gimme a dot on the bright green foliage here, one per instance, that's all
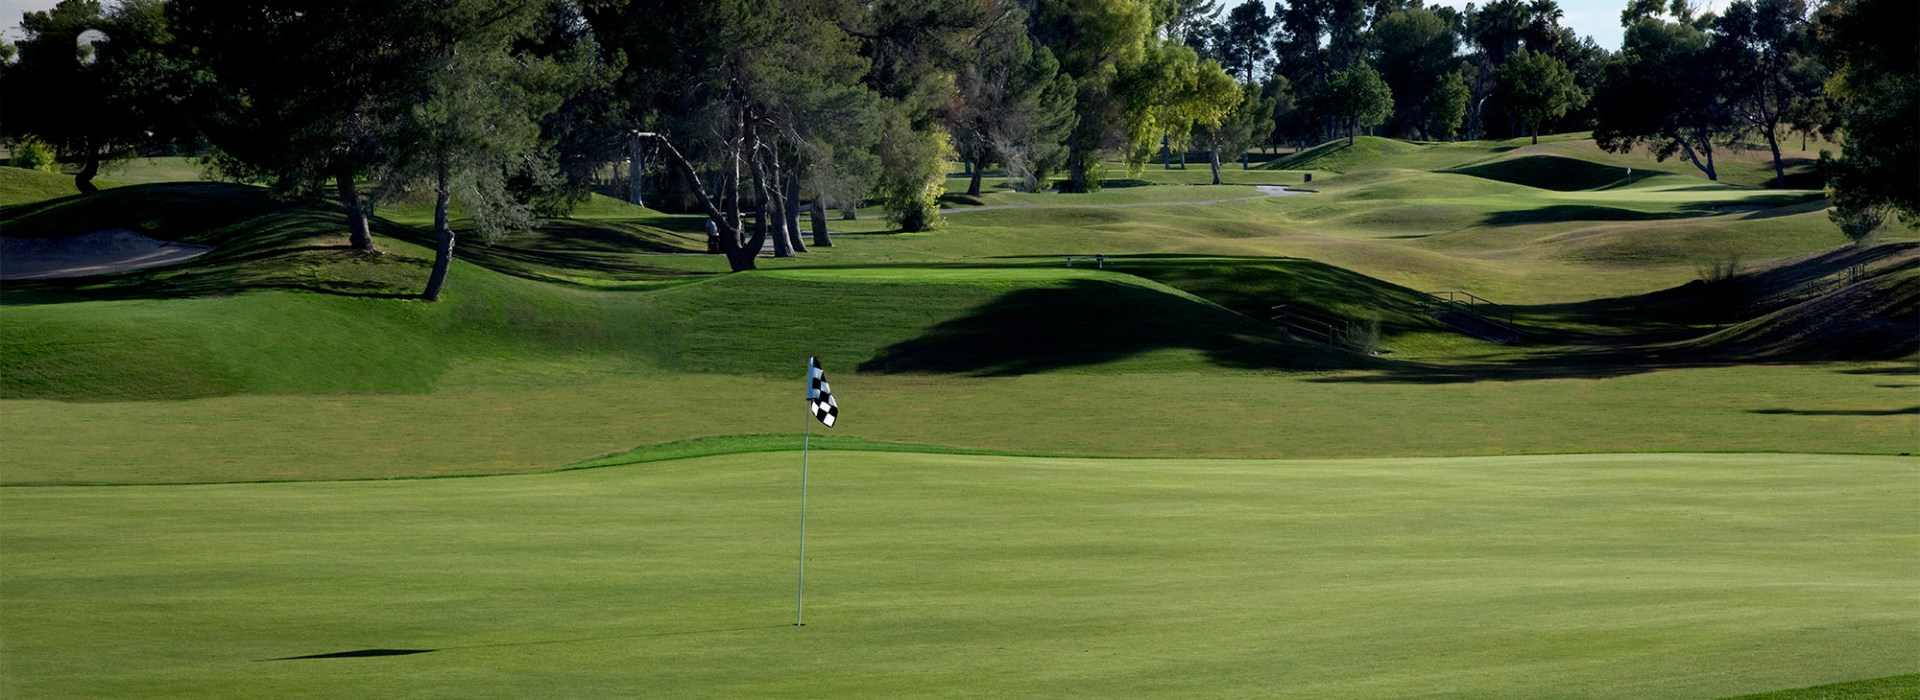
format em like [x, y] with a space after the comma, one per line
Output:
[1095, 41]
[33, 153]
[1538, 88]
[1358, 98]
[1170, 94]
[911, 186]
[1248, 124]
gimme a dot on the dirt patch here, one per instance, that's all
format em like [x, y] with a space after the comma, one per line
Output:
[88, 254]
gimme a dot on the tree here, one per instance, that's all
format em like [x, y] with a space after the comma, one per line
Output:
[1191, 21]
[1667, 90]
[1762, 40]
[476, 101]
[1414, 49]
[1538, 87]
[1094, 41]
[302, 93]
[96, 83]
[1242, 43]
[1446, 107]
[1359, 98]
[1013, 106]
[1235, 132]
[1876, 90]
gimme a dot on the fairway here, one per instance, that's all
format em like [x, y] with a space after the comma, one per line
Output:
[1599, 576]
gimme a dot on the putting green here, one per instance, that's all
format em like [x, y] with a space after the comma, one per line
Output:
[1603, 576]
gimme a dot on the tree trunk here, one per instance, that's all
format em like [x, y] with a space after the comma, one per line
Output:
[767, 219]
[739, 257]
[443, 236]
[1076, 174]
[817, 215]
[83, 180]
[359, 237]
[978, 164]
[791, 209]
[636, 172]
[849, 211]
[1686, 150]
[1536, 134]
[1183, 159]
[1214, 161]
[1779, 169]
[1166, 153]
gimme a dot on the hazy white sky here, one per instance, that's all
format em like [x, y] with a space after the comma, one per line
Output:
[1599, 19]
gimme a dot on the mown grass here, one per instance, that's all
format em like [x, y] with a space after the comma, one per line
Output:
[1625, 576]
[507, 416]
[945, 554]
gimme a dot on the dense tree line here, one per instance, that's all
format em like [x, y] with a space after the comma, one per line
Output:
[752, 111]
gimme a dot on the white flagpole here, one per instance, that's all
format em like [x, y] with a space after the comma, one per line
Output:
[806, 443]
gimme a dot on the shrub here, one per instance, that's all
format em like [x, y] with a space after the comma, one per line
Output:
[34, 154]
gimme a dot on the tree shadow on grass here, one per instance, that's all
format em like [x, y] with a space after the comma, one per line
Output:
[1909, 411]
[1092, 322]
[374, 653]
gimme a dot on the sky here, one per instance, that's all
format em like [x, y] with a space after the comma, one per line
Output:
[1599, 19]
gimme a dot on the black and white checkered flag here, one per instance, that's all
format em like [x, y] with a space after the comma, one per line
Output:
[819, 397]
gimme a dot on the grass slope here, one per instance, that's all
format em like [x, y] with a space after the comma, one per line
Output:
[1626, 576]
[1890, 688]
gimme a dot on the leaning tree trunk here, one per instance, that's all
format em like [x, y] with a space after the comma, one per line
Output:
[1693, 156]
[83, 180]
[359, 236]
[1779, 169]
[739, 257]
[443, 236]
[817, 216]
[767, 219]
[791, 210]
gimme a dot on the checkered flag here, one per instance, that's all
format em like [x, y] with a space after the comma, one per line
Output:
[819, 397]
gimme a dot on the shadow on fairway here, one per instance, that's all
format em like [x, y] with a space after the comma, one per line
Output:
[1090, 322]
[1912, 410]
[359, 654]
[369, 653]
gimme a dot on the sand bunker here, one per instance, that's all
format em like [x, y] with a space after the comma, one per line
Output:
[97, 253]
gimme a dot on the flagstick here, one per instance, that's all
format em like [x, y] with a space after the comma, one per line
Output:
[800, 600]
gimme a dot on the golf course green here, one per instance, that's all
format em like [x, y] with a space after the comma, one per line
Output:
[274, 471]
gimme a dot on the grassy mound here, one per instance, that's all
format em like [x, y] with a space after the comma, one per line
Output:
[1875, 318]
[1904, 687]
[282, 307]
[1555, 172]
[22, 186]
